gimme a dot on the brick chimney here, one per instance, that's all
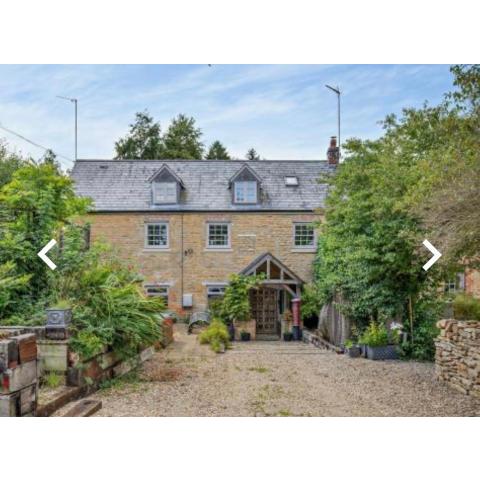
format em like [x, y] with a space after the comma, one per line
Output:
[333, 152]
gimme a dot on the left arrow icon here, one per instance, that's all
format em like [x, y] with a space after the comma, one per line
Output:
[43, 253]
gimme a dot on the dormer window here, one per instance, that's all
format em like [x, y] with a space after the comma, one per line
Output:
[166, 186]
[164, 192]
[245, 186]
[245, 192]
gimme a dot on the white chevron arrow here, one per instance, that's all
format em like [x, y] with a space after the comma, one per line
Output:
[436, 254]
[42, 253]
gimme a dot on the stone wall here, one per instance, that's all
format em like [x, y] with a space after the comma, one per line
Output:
[457, 359]
[187, 264]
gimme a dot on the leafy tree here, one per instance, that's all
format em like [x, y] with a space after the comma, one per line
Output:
[419, 180]
[143, 142]
[217, 151]
[9, 163]
[447, 199]
[252, 155]
[182, 139]
[36, 204]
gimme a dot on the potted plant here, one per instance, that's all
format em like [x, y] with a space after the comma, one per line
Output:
[353, 351]
[380, 345]
[244, 336]
[287, 336]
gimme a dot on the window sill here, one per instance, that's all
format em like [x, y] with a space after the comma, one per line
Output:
[304, 250]
[155, 250]
[211, 249]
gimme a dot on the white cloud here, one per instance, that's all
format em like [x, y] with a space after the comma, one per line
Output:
[284, 111]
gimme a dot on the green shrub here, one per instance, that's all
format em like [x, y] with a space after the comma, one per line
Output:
[53, 380]
[375, 335]
[466, 307]
[110, 308]
[214, 335]
[236, 304]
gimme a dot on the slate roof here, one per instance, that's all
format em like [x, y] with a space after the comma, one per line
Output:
[123, 185]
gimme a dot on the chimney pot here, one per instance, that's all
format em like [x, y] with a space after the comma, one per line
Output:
[333, 152]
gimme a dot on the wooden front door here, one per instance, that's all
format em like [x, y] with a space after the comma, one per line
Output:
[264, 306]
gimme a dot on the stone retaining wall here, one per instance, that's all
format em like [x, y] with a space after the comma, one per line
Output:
[457, 359]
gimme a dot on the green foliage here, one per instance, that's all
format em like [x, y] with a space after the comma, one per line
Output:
[375, 335]
[182, 139]
[311, 301]
[10, 287]
[10, 162]
[144, 140]
[236, 303]
[53, 380]
[252, 154]
[419, 180]
[87, 343]
[110, 308]
[215, 335]
[217, 151]
[37, 202]
[466, 307]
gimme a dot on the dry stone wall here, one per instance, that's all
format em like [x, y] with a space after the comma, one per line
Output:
[457, 359]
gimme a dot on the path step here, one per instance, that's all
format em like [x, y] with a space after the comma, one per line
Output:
[58, 399]
[84, 408]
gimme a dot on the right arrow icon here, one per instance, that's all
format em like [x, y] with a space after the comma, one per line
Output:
[436, 254]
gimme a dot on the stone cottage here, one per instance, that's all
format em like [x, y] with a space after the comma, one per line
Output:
[187, 225]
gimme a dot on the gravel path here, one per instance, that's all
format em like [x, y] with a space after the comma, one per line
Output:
[279, 379]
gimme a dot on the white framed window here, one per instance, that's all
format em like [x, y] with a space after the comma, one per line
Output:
[304, 236]
[215, 293]
[155, 290]
[165, 192]
[245, 192]
[455, 284]
[218, 235]
[156, 235]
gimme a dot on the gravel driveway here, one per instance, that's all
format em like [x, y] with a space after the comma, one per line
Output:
[278, 379]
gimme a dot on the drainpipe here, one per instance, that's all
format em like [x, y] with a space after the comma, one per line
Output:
[297, 331]
[181, 268]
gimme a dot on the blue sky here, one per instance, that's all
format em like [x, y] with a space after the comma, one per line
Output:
[284, 111]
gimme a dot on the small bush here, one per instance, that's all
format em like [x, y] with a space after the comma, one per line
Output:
[375, 335]
[215, 334]
[466, 307]
[52, 380]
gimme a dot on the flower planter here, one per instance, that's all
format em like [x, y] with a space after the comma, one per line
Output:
[245, 336]
[288, 336]
[387, 352]
[354, 352]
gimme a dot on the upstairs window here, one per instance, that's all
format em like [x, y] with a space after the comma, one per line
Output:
[165, 192]
[156, 235]
[218, 235]
[304, 235]
[245, 192]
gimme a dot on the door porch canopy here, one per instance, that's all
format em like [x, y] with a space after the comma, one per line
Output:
[277, 274]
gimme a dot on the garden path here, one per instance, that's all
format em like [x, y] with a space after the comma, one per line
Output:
[278, 379]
